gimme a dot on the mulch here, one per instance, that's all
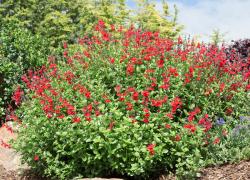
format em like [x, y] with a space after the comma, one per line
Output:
[239, 171]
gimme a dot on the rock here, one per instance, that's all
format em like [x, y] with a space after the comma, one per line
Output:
[10, 160]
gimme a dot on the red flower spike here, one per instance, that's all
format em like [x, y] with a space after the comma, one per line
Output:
[229, 111]
[167, 126]
[216, 141]
[118, 88]
[87, 95]
[135, 96]
[101, 23]
[130, 69]
[76, 120]
[170, 115]
[107, 101]
[160, 63]
[17, 96]
[112, 60]
[145, 93]
[36, 158]
[145, 120]
[150, 148]
[176, 103]
[222, 86]
[191, 127]
[177, 137]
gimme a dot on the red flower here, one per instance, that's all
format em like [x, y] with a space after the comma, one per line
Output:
[229, 111]
[87, 114]
[135, 96]
[248, 87]
[129, 106]
[164, 86]
[88, 95]
[193, 114]
[177, 137]
[36, 158]
[17, 96]
[179, 40]
[118, 88]
[176, 103]
[112, 60]
[145, 120]
[76, 120]
[216, 141]
[105, 36]
[160, 63]
[147, 115]
[71, 110]
[97, 113]
[191, 127]
[167, 126]
[150, 148]
[112, 26]
[207, 125]
[4, 144]
[65, 45]
[170, 115]
[101, 23]
[130, 69]
[173, 72]
[86, 53]
[222, 86]
[49, 115]
[107, 100]
[145, 93]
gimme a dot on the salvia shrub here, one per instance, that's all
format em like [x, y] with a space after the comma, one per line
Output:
[133, 104]
[19, 51]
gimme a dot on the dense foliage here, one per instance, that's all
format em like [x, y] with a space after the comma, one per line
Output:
[20, 50]
[130, 102]
[66, 19]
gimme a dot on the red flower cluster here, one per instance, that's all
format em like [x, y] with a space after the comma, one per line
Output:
[150, 148]
[17, 96]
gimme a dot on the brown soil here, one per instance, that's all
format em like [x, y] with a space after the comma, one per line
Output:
[15, 175]
[239, 171]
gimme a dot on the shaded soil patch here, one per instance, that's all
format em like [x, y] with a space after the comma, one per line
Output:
[239, 171]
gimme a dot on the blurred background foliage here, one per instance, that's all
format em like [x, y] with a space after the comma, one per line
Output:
[67, 19]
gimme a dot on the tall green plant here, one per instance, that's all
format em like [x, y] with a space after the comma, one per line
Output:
[148, 17]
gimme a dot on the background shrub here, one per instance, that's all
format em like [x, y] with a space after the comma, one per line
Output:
[239, 52]
[134, 104]
[68, 19]
[20, 50]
